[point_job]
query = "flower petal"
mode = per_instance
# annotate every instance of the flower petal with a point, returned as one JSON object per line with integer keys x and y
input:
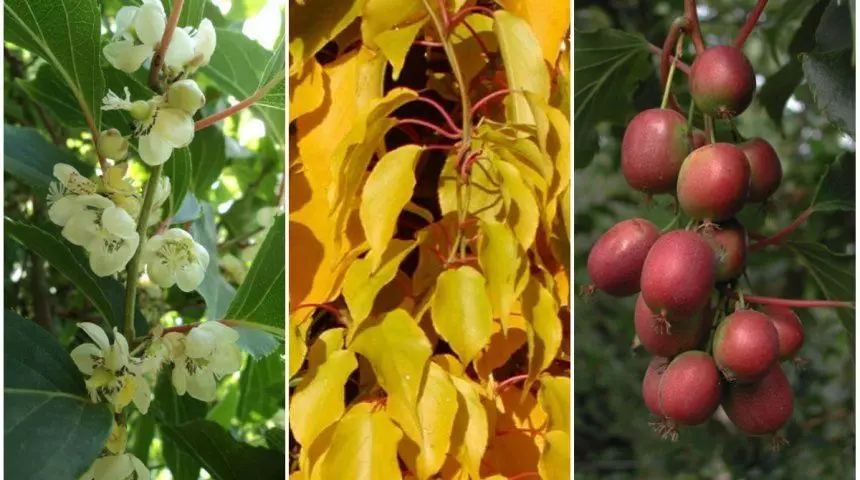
{"x": 63, "y": 209}
{"x": 113, "y": 466}
{"x": 200, "y": 342}
{"x": 97, "y": 334}
{"x": 204, "y": 41}
{"x": 174, "y": 127}
{"x": 190, "y": 277}
{"x": 160, "y": 274}
{"x": 139, "y": 468}
{"x": 179, "y": 377}
{"x": 227, "y": 359}
{"x": 201, "y": 385}
{"x": 84, "y": 356}
{"x": 154, "y": 150}
{"x": 180, "y": 51}
{"x": 118, "y": 222}
{"x": 124, "y": 17}
{"x": 126, "y": 56}
{"x": 142, "y": 396}
{"x": 149, "y": 23}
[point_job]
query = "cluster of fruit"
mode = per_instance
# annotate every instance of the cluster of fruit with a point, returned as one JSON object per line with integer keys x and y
{"x": 709, "y": 348}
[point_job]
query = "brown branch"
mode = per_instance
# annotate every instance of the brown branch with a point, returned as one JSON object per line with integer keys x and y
{"x": 158, "y": 58}
{"x": 750, "y": 24}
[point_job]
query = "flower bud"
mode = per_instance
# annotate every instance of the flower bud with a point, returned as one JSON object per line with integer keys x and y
{"x": 185, "y": 95}
{"x": 140, "y": 110}
{"x": 113, "y": 145}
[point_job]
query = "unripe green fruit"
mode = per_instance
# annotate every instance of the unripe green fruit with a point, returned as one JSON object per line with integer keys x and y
{"x": 185, "y": 95}
{"x": 113, "y": 145}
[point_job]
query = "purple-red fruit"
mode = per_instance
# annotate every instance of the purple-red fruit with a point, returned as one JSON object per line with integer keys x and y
{"x": 714, "y": 182}
{"x": 683, "y": 335}
{"x": 763, "y": 407}
{"x": 765, "y": 169}
{"x": 788, "y": 329}
{"x": 678, "y": 275}
{"x": 690, "y": 389}
{"x": 615, "y": 262}
{"x": 722, "y": 82}
{"x": 654, "y": 147}
{"x": 651, "y": 384}
{"x": 699, "y": 139}
{"x": 746, "y": 346}
{"x": 730, "y": 245}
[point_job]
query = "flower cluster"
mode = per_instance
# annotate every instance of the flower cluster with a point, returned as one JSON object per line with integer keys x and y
{"x": 139, "y": 31}
{"x": 175, "y": 258}
{"x": 163, "y": 122}
{"x": 205, "y": 354}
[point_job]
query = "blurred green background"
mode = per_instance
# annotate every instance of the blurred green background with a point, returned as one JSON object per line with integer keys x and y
{"x": 799, "y": 47}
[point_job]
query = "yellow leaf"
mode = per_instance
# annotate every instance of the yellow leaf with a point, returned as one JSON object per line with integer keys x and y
{"x": 535, "y": 165}
{"x": 377, "y": 16}
{"x": 554, "y": 142}
{"x": 327, "y": 343}
{"x": 485, "y": 198}
{"x": 502, "y": 261}
{"x": 470, "y": 434}
{"x": 298, "y": 475}
{"x": 450, "y": 364}
{"x": 313, "y": 24}
{"x": 395, "y": 44}
{"x": 466, "y": 47}
{"x": 548, "y": 19}
{"x": 388, "y": 189}
{"x": 461, "y": 311}
{"x": 437, "y": 237}
{"x": 554, "y": 398}
{"x": 363, "y": 447}
{"x": 311, "y": 457}
{"x": 543, "y": 329}
{"x": 501, "y": 346}
{"x": 361, "y": 285}
{"x": 319, "y": 396}
{"x": 515, "y": 444}
{"x": 554, "y": 463}
{"x": 437, "y": 407}
{"x": 522, "y": 209}
{"x": 298, "y": 348}
{"x": 398, "y": 351}
{"x": 524, "y": 65}
{"x": 307, "y": 89}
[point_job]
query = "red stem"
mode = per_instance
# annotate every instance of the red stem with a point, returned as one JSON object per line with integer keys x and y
{"x": 427, "y": 43}
{"x": 693, "y": 21}
{"x": 446, "y": 19}
{"x": 158, "y": 58}
{"x": 323, "y": 306}
{"x": 501, "y": 387}
{"x": 481, "y": 44}
{"x": 778, "y": 236}
{"x": 524, "y": 475}
{"x": 669, "y": 44}
{"x": 438, "y": 147}
{"x": 480, "y": 103}
{"x": 794, "y": 303}
{"x": 679, "y": 65}
{"x": 464, "y": 169}
{"x": 459, "y": 16}
{"x": 441, "y": 110}
{"x": 435, "y": 128}
{"x": 411, "y": 133}
{"x": 750, "y": 23}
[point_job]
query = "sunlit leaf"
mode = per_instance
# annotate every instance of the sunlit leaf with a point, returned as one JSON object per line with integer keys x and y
{"x": 395, "y": 44}
{"x": 398, "y": 351}
{"x": 378, "y": 16}
{"x": 515, "y": 444}
{"x": 388, "y": 189}
{"x": 307, "y": 89}
{"x": 554, "y": 398}
{"x": 485, "y": 193}
{"x": 502, "y": 345}
{"x": 543, "y": 328}
{"x": 554, "y": 463}
{"x": 363, "y": 447}
{"x": 522, "y": 209}
{"x": 525, "y": 67}
{"x": 549, "y": 20}
{"x": 470, "y": 433}
{"x": 466, "y": 47}
{"x": 361, "y": 284}
{"x": 461, "y": 311}
{"x": 298, "y": 348}
{"x": 437, "y": 407}
{"x": 501, "y": 260}
{"x": 313, "y": 24}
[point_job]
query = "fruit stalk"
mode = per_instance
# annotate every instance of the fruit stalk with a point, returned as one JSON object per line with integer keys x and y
{"x": 693, "y": 21}
{"x": 654, "y": 49}
{"x": 796, "y": 303}
{"x": 667, "y": 80}
{"x": 778, "y": 236}
{"x": 750, "y": 23}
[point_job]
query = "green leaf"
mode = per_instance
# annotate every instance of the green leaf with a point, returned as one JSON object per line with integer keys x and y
{"x": 235, "y": 67}
{"x": 525, "y": 67}
{"x": 188, "y": 211}
{"x": 386, "y": 192}
{"x": 224, "y": 411}
{"x": 216, "y": 292}
{"x": 835, "y": 31}
{"x": 831, "y": 79}
{"x": 65, "y": 33}
{"x": 49, "y": 90}
{"x": 261, "y": 387}
{"x": 256, "y": 342}
{"x": 608, "y": 65}
{"x": 191, "y": 14}
{"x": 208, "y": 158}
{"x": 106, "y": 294}
{"x": 276, "y": 97}
{"x": 461, "y": 311}
{"x": 142, "y": 431}
{"x": 778, "y": 88}
{"x": 398, "y": 351}
{"x": 178, "y": 169}
{"x": 176, "y": 410}
{"x": 261, "y": 297}
{"x": 30, "y": 157}
{"x": 224, "y": 457}
{"x": 244, "y": 9}
{"x": 363, "y": 446}
{"x": 834, "y": 274}
{"x": 836, "y": 188}
{"x": 51, "y": 429}
{"x": 275, "y": 438}
{"x": 314, "y": 25}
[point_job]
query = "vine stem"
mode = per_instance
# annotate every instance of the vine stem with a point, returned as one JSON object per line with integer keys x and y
{"x": 459, "y": 16}
{"x": 480, "y": 103}
{"x": 211, "y": 119}
{"x": 431, "y": 126}
{"x": 749, "y": 25}
{"x": 441, "y": 110}
{"x": 693, "y": 21}
{"x": 133, "y": 268}
{"x": 158, "y": 58}
{"x": 508, "y": 382}
{"x": 778, "y": 236}
{"x": 796, "y": 303}
{"x": 654, "y": 49}
{"x": 466, "y": 104}
{"x": 667, "y": 79}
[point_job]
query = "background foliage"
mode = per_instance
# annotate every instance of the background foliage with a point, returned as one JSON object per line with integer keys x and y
{"x": 230, "y": 172}
{"x": 802, "y": 53}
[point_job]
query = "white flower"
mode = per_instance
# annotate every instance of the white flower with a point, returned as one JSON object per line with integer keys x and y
{"x": 234, "y": 267}
{"x": 138, "y": 31}
{"x": 207, "y": 353}
{"x": 106, "y": 231}
{"x": 162, "y": 193}
{"x": 186, "y": 96}
{"x": 180, "y": 51}
{"x": 117, "y": 467}
{"x": 175, "y": 258}
{"x": 62, "y": 195}
{"x": 110, "y": 369}
{"x": 266, "y": 216}
{"x": 204, "y": 42}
